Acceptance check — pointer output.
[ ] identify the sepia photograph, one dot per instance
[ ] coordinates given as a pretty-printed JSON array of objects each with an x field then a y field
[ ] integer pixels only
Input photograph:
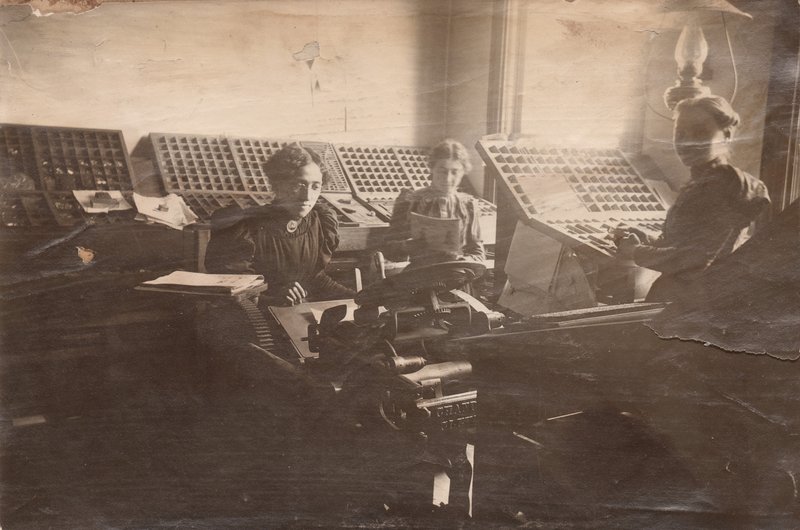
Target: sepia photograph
[{"x": 399, "y": 264}]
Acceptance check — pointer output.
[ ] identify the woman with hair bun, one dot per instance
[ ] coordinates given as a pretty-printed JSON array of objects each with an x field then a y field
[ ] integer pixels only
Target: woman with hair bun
[
  {"x": 711, "y": 212},
  {"x": 448, "y": 163},
  {"x": 290, "y": 241}
]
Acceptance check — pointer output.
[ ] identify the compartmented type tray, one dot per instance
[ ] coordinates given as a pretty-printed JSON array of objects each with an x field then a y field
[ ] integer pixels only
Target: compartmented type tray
[
  {"x": 190, "y": 163},
  {"x": 337, "y": 182},
  {"x": 375, "y": 172},
  {"x": 212, "y": 172},
  {"x": 229, "y": 164},
  {"x": 75, "y": 159},
  {"x": 66, "y": 159},
  {"x": 575, "y": 195},
  {"x": 42, "y": 165},
  {"x": 415, "y": 163},
  {"x": 250, "y": 155}
]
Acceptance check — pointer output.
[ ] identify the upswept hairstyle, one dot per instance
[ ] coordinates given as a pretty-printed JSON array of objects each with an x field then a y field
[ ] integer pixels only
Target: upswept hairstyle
[
  {"x": 716, "y": 106},
  {"x": 450, "y": 150},
  {"x": 286, "y": 163}
]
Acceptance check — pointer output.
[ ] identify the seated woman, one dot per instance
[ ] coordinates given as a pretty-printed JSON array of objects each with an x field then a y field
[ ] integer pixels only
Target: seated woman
[
  {"x": 290, "y": 241},
  {"x": 448, "y": 163},
  {"x": 711, "y": 212}
]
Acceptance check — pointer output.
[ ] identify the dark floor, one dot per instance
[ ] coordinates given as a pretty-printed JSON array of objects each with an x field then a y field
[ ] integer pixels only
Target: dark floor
[{"x": 106, "y": 424}]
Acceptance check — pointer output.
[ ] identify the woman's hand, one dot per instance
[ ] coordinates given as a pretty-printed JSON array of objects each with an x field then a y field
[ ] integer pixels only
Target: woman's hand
[
  {"x": 626, "y": 245},
  {"x": 622, "y": 231},
  {"x": 294, "y": 293}
]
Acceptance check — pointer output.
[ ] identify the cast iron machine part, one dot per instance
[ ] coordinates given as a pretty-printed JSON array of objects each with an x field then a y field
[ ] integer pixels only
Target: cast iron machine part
[{"x": 391, "y": 365}]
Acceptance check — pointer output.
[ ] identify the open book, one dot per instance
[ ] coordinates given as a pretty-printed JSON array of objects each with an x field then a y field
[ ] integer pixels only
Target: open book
[{"x": 200, "y": 283}]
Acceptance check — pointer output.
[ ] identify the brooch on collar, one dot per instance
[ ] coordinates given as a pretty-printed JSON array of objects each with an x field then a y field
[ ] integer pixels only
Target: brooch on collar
[{"x": 291, "y": 226}]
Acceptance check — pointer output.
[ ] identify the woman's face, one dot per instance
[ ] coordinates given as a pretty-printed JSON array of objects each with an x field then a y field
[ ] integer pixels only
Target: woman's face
[
  {"x": 446, "y": 175},
  {"x": 299, "y": 195},
  {"x": 698, "y": 139}
]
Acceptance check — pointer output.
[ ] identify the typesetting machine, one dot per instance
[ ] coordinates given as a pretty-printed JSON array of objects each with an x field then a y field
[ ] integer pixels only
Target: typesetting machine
[{"x": 387, "y": 363}]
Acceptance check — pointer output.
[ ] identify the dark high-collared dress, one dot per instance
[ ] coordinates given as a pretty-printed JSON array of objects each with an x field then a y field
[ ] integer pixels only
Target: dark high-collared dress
[
  {"x": 705, "y": 224},
  {"x": 259, "y": 241}
]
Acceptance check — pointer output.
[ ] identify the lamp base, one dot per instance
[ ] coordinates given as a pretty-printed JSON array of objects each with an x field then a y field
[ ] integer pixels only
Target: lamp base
[{"x": 677, "y": 93}]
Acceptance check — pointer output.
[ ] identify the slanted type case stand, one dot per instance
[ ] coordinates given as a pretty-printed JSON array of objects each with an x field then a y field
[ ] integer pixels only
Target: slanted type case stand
[{"x": 566, "y": 201}]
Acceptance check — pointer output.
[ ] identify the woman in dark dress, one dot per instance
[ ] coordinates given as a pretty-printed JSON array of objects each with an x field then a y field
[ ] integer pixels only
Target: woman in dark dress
[
  {"x": 448, "y": 162},
  {"x": 290, "y": 241},
  {"x": 711, "y": 212}
]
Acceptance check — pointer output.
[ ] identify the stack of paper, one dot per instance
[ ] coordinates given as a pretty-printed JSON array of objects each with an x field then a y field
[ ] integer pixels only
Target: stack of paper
[
  {"x": 200, "y": 283},
  {"x": 169, "y": 210}
]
